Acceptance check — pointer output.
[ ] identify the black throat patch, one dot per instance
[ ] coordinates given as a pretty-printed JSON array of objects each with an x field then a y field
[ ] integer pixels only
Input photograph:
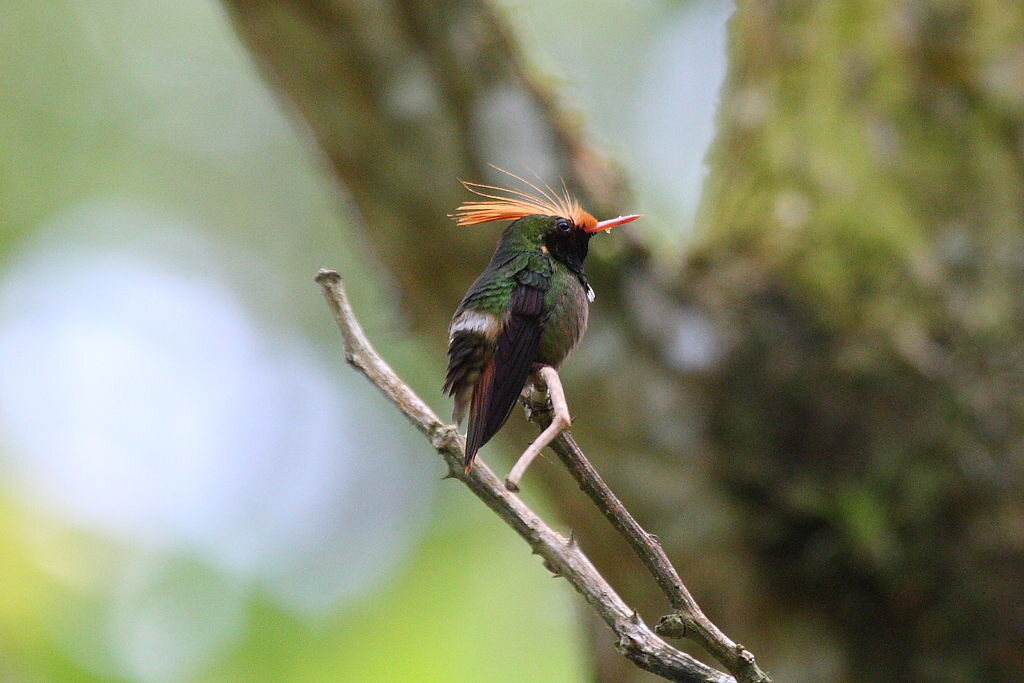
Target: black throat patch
[{"x": 571, "y": 249}]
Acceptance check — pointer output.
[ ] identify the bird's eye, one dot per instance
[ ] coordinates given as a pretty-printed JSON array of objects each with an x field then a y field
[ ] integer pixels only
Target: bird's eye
[{"x": 563, "y": 225}]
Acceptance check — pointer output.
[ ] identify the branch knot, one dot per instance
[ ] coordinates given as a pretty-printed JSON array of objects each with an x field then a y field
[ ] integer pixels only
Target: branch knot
[{"x": 674, "y": 626}]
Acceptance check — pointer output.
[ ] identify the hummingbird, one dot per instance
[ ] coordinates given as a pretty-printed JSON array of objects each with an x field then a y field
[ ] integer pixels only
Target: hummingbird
[{"x": 524, "y": 314}]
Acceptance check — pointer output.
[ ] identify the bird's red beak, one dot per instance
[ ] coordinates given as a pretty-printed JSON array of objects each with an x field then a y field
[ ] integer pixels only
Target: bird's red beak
[{"x": 612, "y": 222}]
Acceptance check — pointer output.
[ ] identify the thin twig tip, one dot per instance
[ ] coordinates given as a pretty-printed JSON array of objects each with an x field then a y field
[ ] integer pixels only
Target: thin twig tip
[{"x": 326, "y": 276}]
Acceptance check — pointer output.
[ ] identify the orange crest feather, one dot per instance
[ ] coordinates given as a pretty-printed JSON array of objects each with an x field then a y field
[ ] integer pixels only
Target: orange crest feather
[{"x": 507, "y": 204}]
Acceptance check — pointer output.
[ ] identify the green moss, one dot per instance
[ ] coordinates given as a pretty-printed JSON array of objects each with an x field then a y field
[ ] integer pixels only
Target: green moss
[{"x": 857, "y": 239}]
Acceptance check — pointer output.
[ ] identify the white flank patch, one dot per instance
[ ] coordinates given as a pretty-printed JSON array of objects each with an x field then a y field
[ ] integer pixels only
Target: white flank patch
[{"x": 472, "y": 321}]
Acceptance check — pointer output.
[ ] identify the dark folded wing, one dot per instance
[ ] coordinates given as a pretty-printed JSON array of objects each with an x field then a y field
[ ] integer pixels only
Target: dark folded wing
[{"x": 505, "y": 374}]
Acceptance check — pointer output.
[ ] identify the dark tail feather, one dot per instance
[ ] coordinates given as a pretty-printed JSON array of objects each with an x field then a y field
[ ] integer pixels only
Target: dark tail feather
[{"x": 476, "y": 435}]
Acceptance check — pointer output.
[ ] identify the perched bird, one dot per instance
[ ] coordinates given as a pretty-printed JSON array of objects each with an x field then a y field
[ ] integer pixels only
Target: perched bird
[{"x": 524, "y": 314}]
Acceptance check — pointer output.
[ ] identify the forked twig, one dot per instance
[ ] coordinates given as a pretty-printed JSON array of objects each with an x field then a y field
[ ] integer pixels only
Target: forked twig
[
  {"x": 688, "y": 620},
  {"x": 558, "y": 421},
  {"x": 561, "y": 554}
]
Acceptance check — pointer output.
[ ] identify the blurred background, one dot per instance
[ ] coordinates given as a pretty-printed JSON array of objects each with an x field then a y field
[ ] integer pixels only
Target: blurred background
[
  {"x": 194, "y": 486},
  {"x": 819, "y": 345}
]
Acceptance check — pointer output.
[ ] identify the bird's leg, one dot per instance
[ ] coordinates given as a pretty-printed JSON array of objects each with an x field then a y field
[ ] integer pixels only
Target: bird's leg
[{"x": 560, "y": 421}]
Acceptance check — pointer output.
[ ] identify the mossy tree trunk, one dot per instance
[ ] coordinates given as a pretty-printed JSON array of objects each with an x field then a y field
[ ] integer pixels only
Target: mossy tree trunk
[{"x": 862, "y": 256}]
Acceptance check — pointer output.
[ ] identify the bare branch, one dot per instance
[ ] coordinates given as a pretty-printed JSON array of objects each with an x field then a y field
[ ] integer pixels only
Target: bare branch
[
  {"x": 688, "y": 620},
  {"x": 634, "y": 639}
]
